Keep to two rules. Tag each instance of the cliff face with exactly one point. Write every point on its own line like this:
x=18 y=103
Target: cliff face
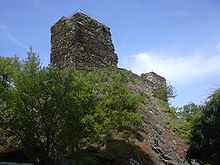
x=156 y=139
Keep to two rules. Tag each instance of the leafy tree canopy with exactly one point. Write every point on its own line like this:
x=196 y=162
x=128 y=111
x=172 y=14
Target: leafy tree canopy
x=205 y=138
x=188 y=115
x=49 y=110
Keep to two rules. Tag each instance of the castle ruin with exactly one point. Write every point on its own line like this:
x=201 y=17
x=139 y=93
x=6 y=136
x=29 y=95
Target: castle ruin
x=155 y=79
x=81 y=42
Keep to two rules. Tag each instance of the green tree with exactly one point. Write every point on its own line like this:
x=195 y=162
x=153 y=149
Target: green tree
x=205 y=140
x=188 y=115
x=165 y=93
x=47 y=109
x=32 y=111
x=8 y=68
x=100 y=106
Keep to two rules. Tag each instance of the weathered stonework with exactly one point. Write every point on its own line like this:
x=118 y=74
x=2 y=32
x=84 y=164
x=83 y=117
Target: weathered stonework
x=81 y=42
x=157 y=80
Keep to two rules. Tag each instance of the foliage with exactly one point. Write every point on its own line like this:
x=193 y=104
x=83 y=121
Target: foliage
x=103 y=106
x=165 y=93
x=144 y=75
x=205 y=137
x=114 y=152
x=119 y=152
x=49 y=110
x=188 y=115
x=184 y=119
x=171 y=111
x=184 y=129
x=8 y=68
x=84 y=157
x=32 y=108
x=144 y=97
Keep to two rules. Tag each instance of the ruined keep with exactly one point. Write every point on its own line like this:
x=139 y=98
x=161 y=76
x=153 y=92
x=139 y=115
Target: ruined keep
x=81 y=42
x=156 y=79
x=154 y=82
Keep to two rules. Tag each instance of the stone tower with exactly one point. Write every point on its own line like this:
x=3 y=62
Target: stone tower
x=155 y=81
x=81 y=42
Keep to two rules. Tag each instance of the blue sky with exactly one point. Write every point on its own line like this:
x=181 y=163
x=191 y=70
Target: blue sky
x=179 y=40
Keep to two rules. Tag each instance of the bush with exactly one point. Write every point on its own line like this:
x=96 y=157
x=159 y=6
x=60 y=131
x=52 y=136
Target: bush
x=171 y=111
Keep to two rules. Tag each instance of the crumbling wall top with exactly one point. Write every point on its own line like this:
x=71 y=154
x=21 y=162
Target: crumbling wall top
x=81 y=42
x=155 y=79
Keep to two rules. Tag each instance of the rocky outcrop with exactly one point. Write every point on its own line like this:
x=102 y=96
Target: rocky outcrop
x=158 y=141
x=155 y=138
x=81 y=42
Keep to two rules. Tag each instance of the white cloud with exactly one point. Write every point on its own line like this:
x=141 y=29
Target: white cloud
x=10 y=36
x=178 y=68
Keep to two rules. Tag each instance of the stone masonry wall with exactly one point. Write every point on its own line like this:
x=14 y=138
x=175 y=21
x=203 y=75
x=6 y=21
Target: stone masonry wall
x=81 y=42
x=157 y=80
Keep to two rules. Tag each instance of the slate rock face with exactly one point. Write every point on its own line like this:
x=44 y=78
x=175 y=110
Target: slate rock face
x=155 y=138
x=81 y=42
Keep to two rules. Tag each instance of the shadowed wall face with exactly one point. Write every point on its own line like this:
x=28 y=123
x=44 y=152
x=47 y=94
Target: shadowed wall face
x=157 y=80
x=80 y=42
